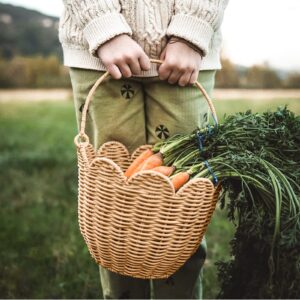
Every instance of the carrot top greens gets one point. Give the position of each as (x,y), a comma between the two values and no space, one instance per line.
(256,158)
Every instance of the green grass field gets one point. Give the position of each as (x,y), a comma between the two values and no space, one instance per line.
(42,252)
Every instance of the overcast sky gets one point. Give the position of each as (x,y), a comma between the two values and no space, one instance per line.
(254,31)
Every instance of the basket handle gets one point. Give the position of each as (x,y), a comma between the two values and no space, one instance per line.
(82,136)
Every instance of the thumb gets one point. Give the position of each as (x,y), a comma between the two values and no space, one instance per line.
(163,54)
(162,57)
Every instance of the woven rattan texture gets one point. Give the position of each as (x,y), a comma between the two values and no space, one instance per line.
(139,227)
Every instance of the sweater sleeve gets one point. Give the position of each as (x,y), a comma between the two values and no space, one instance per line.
(100,20)
(197,20)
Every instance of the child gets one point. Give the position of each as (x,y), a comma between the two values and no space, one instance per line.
(147,102)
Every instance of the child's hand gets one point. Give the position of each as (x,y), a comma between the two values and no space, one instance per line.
(122,56)
(181,63)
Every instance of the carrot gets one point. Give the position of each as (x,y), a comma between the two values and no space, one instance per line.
(138,162)
(155,160)
(139,168)
(180,179)
(164,170)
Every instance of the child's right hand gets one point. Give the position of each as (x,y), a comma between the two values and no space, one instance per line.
(122,56)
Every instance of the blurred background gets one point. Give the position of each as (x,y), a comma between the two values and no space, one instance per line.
(42,254)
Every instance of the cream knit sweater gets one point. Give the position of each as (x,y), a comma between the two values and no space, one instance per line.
(87,24)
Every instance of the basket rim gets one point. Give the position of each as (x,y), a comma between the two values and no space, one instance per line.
(145,173)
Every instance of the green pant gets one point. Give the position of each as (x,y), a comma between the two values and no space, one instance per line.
(139,111)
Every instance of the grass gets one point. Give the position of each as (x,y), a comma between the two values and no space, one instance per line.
(42,252)
(233,106)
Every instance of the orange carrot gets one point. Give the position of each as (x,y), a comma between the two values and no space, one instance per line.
(153,161)
(138,162)
(139,168)
(164,170)
(180,179)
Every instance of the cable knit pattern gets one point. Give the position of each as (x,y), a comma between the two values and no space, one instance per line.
(86,24)
(99,20)
(85,11)
(197,21)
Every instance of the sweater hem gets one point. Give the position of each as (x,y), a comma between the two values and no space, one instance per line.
(82,58)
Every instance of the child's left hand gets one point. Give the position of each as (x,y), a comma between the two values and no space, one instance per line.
(181,63)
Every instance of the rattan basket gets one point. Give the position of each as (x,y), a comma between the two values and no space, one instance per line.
(139,226)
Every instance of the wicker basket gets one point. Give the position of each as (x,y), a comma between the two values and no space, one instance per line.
(139,226)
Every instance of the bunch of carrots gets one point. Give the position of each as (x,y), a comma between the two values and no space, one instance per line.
(256,159)
(258,150)
(149,160)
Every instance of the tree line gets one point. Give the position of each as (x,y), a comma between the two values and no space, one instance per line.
(255,77)
(33,72)
(48,72)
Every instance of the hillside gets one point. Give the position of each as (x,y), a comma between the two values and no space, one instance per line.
(27,32)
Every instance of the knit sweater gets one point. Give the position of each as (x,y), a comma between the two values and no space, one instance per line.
(86,24)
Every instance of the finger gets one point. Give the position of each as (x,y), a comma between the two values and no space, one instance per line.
(162,57)
(185,79)
(194,77)
(144,62)
(174,77)
(125,70)
(114,71)
(134,66)
(164,71)
(164,74)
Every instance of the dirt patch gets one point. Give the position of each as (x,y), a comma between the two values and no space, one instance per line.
(35,95)
(238,94)
(218,94)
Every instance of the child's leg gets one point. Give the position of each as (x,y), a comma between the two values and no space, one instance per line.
(185,283)
(116,113)
(171,109)
(116,286)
